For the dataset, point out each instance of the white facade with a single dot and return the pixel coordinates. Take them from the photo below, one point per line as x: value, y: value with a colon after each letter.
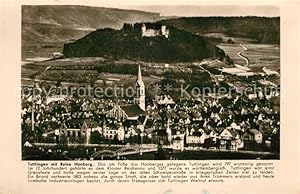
x: 153, y: 32
x: 110, y: 133
x: 140, y: 91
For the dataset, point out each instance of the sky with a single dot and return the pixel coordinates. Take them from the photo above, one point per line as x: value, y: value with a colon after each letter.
x: 179, y: 7
x: 218, y: 10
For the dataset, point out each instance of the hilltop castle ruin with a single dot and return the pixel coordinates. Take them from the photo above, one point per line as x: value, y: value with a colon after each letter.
x: 163, y: 31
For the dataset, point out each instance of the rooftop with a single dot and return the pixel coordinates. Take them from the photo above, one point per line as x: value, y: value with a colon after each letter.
x: 132, y: 110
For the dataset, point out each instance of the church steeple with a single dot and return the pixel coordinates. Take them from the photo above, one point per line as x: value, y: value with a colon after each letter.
x: 139, y: 79
x: 140, y: 91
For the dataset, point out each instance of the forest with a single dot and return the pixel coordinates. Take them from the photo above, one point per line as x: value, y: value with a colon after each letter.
x: 262, y: 29
x: 128, y: 43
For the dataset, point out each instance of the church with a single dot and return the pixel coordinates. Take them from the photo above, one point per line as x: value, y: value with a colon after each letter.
x: 132, y: 111
x: 140, y: 91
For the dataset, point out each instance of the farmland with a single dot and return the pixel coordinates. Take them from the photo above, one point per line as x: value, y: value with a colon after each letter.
x: 259, y: 55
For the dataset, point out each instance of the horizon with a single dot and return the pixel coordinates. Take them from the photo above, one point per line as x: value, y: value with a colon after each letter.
x: 192, y: 10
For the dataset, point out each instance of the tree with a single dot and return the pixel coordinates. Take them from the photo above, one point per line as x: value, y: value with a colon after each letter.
x: 275, y: 143
x: 72, y: 139
x: 160, y: 155
x: 96, y: 137
x: 81, y: 139
x: 208, y: 143
x: 63, y: 139
x: 115, y: 140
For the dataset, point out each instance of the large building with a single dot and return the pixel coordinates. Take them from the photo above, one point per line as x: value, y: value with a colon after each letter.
x: 139, y: 98
x: 131, y: 111
x: 163, y: 31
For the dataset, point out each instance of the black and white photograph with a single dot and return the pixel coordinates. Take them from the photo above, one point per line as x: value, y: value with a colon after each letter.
x: 150, y: 82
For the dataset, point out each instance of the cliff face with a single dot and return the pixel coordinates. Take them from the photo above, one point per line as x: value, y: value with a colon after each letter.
x: 129, y: 43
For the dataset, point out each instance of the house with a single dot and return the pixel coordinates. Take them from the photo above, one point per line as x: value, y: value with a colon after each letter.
x: 155, y: 116
x: 184, y: 118
x: 252, y: 135
x: 176, y: 131
x: 178, y: 144
x: 131, y: 111
x: 230, y: 139
x: 164, y: 100
x: 131, y: 129
x: 55, y: 98
x: 211, y: 133
x: 160, y: 136
x: 171, y: 115
x: 235, y: 126
x: 125, y: 112
x: 142, y: 120
x: 197, y: 138
x: 194, y: 139
x: 220, y: 77
x: 114, y: 130
x: 78, y: 130
x: 149, y: 127
x: 196, y: 116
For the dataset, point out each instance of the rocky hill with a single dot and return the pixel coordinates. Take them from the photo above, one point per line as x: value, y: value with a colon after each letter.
x: 128, y: 43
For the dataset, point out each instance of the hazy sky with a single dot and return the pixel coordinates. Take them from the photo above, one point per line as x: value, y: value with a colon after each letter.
x: 179, y: 7
x: 226, y: 10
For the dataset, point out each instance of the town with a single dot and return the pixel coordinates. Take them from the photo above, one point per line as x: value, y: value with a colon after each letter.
x: 232, y: 122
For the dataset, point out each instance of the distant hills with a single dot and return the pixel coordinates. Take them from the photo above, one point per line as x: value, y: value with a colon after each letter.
x: 68, y: 22
x: 50, y: 23
x: 262, y: 29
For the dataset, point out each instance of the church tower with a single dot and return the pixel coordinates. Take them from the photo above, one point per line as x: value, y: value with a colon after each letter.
x: 140, y: 91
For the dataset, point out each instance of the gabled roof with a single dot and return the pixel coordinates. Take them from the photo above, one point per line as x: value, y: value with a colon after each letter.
x: 255, y: 131
x: 149, y: 123
x: 113, y: 125
x: 173, y: 113
x: 78, y: 122
x: 206, y: 130
x: 75, y: 123
x: 132, y: 110
x: 233, y: 133
x: 196, y: 114
x: 178, y: 138
x: 197, y: 133
x: 162, y: 133
x: 156, y: 116
x: 164, y: 99
x: 149, y: 130
x: 91, y: 123
x: 129, y: 123
x: 182, y: 115
x: 142, y: 119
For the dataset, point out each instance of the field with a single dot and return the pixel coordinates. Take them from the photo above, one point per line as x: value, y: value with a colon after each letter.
x: 40, y: 49
x: 259, y: 55
x: 89, y: 68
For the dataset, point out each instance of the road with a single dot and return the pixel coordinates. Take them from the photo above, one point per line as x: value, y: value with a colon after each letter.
x: 243, y: 56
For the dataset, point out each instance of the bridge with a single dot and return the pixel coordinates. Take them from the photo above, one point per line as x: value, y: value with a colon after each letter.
x: 124, y: 151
